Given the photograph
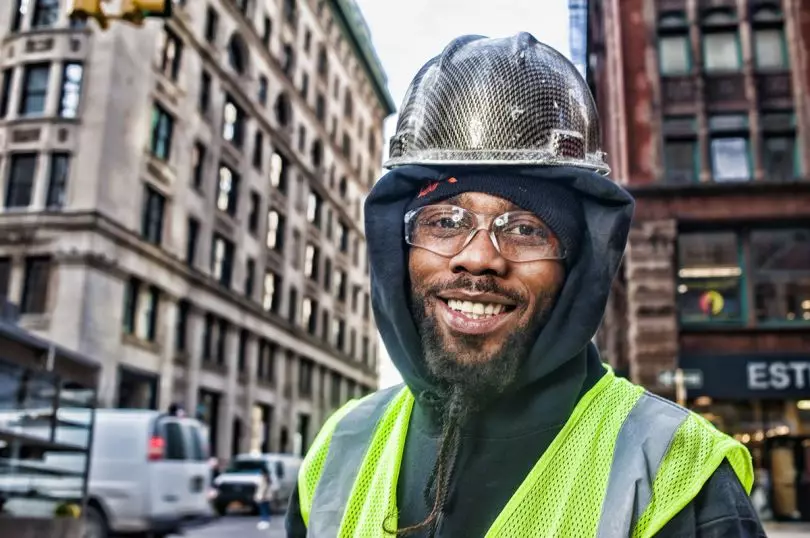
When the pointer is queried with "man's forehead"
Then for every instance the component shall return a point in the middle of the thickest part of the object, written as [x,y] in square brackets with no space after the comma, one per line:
[483,202]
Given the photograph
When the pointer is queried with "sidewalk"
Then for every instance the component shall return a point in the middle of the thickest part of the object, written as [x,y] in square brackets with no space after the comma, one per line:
[787,530]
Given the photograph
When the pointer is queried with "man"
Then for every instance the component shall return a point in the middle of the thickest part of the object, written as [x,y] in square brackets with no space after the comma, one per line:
[493,243]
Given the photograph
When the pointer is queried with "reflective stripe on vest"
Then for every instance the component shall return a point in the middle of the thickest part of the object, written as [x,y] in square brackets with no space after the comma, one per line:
[623,465]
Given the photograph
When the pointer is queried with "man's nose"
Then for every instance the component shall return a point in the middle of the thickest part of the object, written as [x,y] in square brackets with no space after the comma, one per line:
[479,257]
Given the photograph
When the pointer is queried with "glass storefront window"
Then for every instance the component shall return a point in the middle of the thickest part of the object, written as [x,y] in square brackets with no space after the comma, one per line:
[781,272]
[709,277]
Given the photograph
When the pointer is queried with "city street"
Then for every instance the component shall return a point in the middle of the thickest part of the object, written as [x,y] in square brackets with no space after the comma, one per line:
[241,526]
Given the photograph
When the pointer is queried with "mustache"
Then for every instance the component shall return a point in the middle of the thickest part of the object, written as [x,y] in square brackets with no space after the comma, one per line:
[485,284]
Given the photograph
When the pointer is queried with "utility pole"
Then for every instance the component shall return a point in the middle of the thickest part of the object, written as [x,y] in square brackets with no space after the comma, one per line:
[131,11]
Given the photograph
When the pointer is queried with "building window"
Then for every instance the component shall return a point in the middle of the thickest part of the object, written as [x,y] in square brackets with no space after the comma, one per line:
[258,150]
[712,267]
[348,106]
[290,11]
[5,87]
[241,354]
[141,310]
[340,285]
[292,305]
[335,389]
[305,86]
[296,249]
[343,237]
[309,314]
[327,275]
[171,54]
[57,182]
[181,326]
[709,278]
[237,54]
[35,285]
[366,307]
[302,138]
[283,110]
[250,272]
[227,190]
[681,153]
[729,148]
[205,92]
[780,271]
[263,89]
[211,23]
[278,172]
[253,216]
[356,291]
[162,127]
[317,154]
[35,89]
[288,60]
[222,260]
[152,216]
[346,147]
[198,165]
[721,42]
[20,187]
[233,127]
[267,32]
[779,146]
[275,230]
[312,262]
[320,107]
[365,349]
[192,240]
[305,369]
[339,334]
[46,13]
[71,90]
[307,40]
[314,209]
[770,45]
[20,9]
[272,292]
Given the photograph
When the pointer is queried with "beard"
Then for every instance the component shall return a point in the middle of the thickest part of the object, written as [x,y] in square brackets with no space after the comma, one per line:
[464,367]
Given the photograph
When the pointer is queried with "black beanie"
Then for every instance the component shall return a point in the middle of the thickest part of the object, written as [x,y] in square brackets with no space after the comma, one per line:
[558,206]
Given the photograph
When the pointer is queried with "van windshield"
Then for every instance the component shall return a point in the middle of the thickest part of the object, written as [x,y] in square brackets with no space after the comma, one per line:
[246,466]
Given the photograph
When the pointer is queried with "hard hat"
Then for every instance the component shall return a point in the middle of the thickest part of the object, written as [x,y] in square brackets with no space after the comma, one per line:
[502,101]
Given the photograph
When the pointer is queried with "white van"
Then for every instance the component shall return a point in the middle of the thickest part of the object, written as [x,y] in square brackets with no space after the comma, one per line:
[149,473]
[234,489]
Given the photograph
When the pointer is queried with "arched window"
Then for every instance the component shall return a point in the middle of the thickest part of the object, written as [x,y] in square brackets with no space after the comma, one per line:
[238,54]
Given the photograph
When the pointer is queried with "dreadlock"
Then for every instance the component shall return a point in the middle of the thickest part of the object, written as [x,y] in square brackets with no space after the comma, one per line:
[455,410]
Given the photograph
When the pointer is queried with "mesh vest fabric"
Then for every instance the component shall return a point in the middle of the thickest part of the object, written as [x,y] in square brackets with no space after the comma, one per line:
[563,494]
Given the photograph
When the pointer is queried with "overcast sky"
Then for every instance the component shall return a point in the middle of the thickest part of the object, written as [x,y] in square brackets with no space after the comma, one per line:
[407,34]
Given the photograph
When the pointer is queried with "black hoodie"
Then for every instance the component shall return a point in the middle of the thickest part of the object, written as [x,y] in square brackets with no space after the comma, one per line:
[503,442]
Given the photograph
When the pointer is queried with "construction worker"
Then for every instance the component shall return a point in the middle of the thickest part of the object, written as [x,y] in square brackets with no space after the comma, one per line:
[493,242]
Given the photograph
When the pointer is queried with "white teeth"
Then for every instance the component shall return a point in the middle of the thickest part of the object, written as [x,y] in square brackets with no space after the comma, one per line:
[476,310]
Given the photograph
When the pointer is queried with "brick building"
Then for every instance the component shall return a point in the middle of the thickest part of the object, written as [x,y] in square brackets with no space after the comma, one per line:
[706,120]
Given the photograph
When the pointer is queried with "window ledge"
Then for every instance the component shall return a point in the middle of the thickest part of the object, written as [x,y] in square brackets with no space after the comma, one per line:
[132,340]
[35,321]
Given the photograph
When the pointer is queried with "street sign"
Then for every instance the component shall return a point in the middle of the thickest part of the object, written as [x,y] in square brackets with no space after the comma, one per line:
[692,379]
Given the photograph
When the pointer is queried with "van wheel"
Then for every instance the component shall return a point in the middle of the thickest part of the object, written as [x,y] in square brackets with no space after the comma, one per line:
[95,525]
[221,510]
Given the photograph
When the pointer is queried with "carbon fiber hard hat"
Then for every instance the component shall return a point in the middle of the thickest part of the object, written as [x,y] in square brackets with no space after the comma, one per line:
[501,101]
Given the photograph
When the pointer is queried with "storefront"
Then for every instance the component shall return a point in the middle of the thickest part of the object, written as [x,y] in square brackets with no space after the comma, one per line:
[764,402]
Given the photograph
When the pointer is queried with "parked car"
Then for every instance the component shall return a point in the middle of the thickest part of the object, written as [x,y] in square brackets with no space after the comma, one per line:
[234,489]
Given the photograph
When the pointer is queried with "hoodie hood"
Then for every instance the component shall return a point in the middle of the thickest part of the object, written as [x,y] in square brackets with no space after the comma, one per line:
[563,352]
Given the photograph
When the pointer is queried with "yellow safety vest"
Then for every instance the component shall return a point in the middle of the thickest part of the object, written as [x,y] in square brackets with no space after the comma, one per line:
[625,463]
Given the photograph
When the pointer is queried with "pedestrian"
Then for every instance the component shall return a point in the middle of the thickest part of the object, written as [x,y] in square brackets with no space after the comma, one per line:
[508,423]
[263,497]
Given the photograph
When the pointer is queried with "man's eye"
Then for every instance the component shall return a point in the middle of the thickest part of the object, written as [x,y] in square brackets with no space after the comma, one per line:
[526,230]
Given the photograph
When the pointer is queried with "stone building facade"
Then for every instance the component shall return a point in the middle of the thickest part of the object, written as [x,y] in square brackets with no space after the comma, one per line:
[183,203]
